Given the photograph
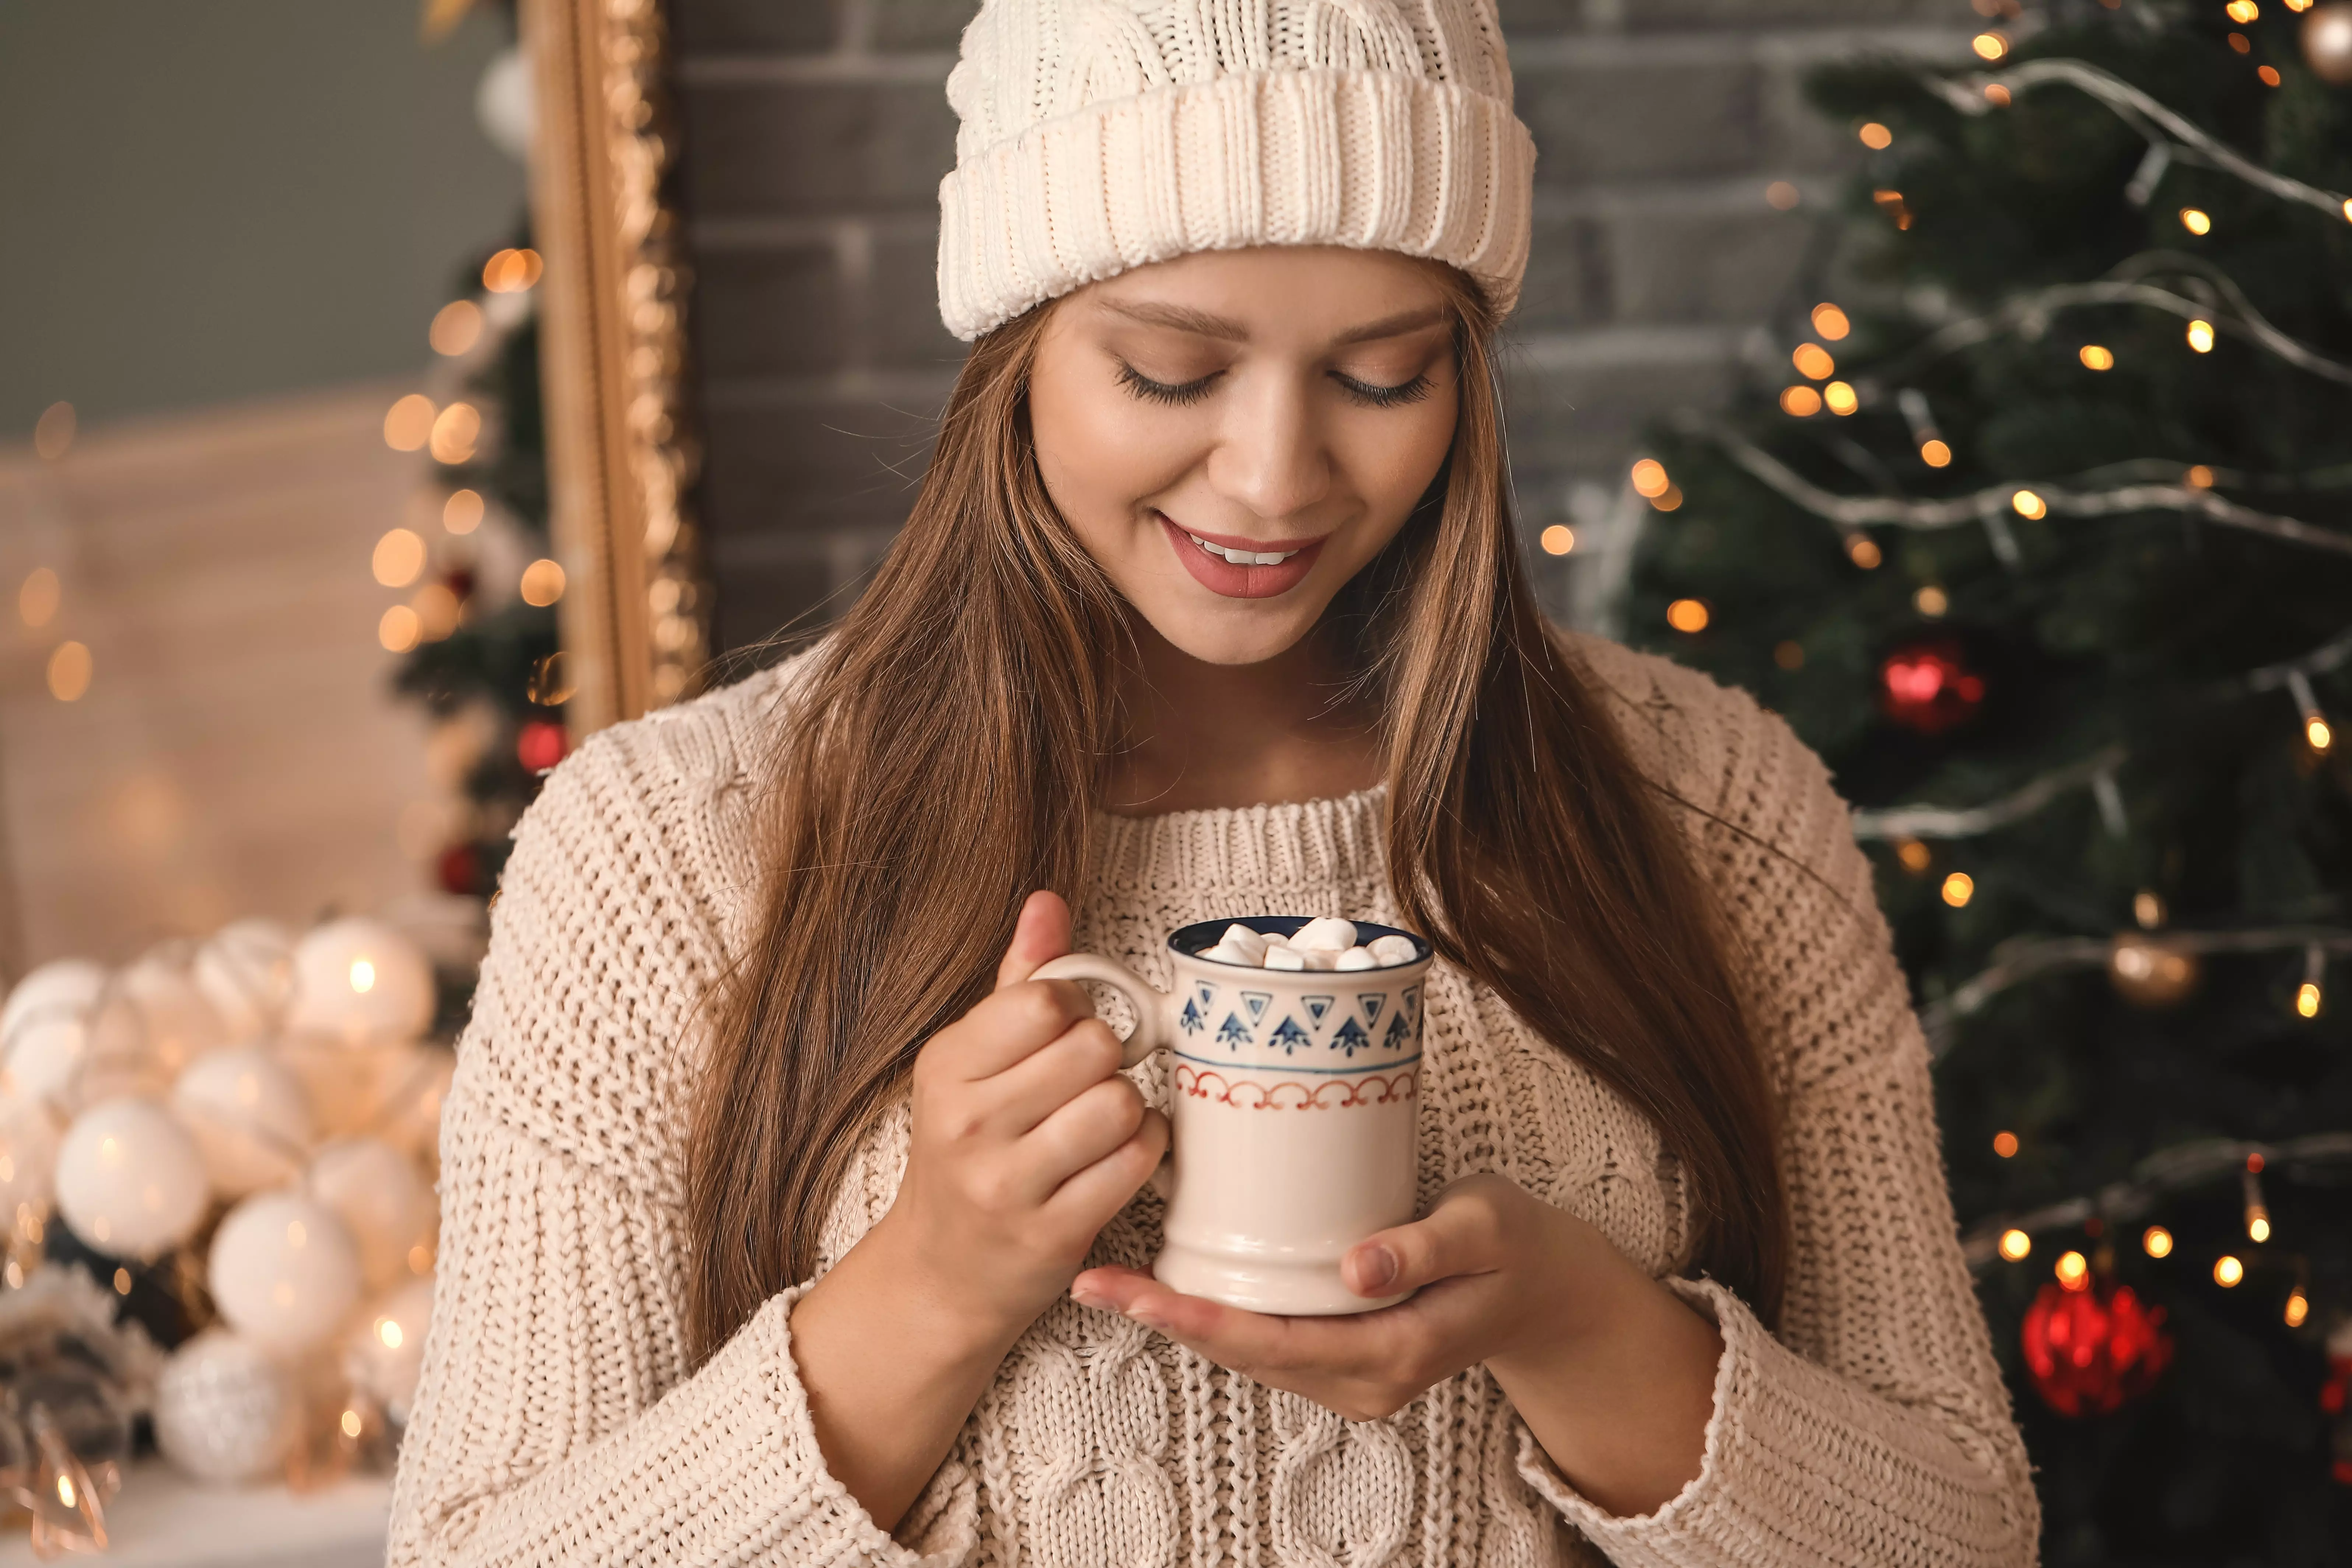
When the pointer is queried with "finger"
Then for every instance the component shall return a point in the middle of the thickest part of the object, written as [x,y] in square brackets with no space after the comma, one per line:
[1049,1078]
[1095,1122]
[1009,1026]
[1092,1195]
[1042,931]
[1461,1236]
[1290,1352]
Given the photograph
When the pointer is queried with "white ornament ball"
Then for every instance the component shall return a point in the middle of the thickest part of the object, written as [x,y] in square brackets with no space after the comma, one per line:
[246,973]
[63,985]
[502,103]
[249,1116]
[130,1179]
[224,1411]
[361,980]
[29,1156]
[386,1349]
[381,1200]
[150,1024]
[45,1054]
[284,1271]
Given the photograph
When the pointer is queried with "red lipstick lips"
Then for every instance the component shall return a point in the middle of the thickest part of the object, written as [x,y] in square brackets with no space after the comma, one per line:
[1235,581]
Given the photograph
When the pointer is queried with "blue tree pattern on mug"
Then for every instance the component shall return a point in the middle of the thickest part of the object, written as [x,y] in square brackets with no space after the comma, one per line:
[1233,1032]
[1397,1031]
[1351,1039]
[1190,1020]
[1289,1036]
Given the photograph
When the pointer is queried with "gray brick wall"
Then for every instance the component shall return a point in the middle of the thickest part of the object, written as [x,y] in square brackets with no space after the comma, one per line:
[818,133]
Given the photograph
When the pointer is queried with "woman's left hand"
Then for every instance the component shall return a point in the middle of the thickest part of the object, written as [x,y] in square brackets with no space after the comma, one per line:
[1590,1349]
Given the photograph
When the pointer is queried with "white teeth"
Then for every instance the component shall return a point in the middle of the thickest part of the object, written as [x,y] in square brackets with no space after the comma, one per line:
[1243,557]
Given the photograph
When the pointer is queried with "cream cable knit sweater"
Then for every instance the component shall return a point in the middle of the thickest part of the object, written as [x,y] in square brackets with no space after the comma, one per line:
[556,1422]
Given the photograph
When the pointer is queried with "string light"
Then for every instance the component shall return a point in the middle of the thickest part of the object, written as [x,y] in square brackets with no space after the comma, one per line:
[1801,401]
[454,431]
[1669,501]
[39,597]
[68,671]
[462,512]
[2015,1245]
[2307,995]
[2196,221]
[2258,1212]
[1989,46]
[2269,75]
[1789,653]
[1959,888]
[2096,357]
[1892,204]
[399,557]
[1687,615]
[1830,321]
[1874,136]
[2316,732]
[1559,539]
[456,327]
[1840,398]
[2228,1270]
[2073,1271]
[2243,44]
[2028,505]
[2299,1308]
[2199,477]
[1913,822]
[1812,361]
[2200,336]
[1649,477]
[2242,11]
[2005,1145]
[1915,857]
[1864,551]
[398,629]
[511,271]
[53,432]
[1935,454]
[408,424]
[1781,194]
[2157,1241]
[1931,601]
[542,583]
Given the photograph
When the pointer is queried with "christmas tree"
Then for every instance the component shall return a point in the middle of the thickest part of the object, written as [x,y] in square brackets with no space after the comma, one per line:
[2044,542]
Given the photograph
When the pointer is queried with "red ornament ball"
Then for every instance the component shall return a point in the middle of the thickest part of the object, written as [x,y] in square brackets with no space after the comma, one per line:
[541,745]
[1927,686]
[2094,1349]
[460,870]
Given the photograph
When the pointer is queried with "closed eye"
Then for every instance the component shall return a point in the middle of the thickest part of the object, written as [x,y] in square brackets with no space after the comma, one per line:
[1180,393]
[1376,396]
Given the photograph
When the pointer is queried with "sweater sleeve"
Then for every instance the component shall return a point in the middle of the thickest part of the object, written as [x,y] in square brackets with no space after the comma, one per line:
[555,1422]
[1874,1428]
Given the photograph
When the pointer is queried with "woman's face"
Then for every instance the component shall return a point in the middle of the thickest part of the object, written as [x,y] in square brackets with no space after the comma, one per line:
[1233,435]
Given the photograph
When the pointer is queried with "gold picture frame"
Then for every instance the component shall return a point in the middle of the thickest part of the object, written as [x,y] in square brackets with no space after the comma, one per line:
[622,460]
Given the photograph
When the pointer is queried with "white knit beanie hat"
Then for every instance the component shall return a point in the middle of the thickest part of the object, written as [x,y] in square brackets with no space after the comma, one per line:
[1102,134]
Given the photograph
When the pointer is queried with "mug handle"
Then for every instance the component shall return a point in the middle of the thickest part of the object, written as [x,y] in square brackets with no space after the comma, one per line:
[1144,999]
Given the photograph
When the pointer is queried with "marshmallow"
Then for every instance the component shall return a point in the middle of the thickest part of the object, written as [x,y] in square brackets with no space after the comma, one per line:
[1284,957]
[1357,958]
[1394,949]
[1226,952]
[1240,938]
[1325,934]
[1320,958]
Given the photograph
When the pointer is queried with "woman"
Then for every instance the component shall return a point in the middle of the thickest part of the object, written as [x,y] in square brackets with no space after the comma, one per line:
[786,1219]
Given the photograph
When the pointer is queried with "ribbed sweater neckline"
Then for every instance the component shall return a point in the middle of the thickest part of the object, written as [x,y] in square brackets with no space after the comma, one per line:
[1336,839]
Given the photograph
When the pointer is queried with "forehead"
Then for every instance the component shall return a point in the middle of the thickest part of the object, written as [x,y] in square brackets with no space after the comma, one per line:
[1274,295]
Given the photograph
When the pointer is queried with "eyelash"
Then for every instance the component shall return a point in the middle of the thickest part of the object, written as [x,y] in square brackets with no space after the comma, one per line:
[1183,395]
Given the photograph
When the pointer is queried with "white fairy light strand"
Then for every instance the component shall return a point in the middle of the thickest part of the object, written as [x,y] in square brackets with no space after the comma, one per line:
[2029,960]
[1969,822]
[2165,131]
[2164,1171]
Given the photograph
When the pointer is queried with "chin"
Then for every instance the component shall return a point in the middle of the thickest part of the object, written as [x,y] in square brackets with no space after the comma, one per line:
[1231,637]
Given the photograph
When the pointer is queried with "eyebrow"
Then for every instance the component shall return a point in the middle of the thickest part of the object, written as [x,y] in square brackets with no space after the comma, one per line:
[1184,319]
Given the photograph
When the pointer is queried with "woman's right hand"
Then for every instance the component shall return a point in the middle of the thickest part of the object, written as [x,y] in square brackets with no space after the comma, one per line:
[1026,1137]
[1025,1140]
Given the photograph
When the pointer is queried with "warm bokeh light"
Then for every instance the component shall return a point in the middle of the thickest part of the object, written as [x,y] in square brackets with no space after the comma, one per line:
[1996,95]
[2307,999]
[456,327]
[437,611]
[1959,888]
[70,672]
[2015,1245]
[2147,909]
[2258,1227]
[2196,220]
[2074,1270]
[2157,1241]
[1864,551]
[53,432]
[2228,1270]
[39,597]
[1812,361]
[1935,454]
[1649,476]
[399,557]
[2199,476]
[408,425]
[2299,1308]
[1671,500]
[1558,540]
[1931,601]
[2027,504]
[350,1423]
[1829,321]
[542,583]
[2316,731]
[511,271]
[2242,11]
[455,433]
[462,512]
[2200,336]
[1874,136]
[1789,653]
[2005,1145]
[1801,400]
[1840,398]
[2269,75]
[2095,356]
[399,629]
[1687,615]
[1781,194]
[388,1331]
[1916,856]
[1989,46]
[2243,44]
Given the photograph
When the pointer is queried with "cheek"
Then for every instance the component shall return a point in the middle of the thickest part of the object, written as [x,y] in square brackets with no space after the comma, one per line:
[1392,455]
[1101,452]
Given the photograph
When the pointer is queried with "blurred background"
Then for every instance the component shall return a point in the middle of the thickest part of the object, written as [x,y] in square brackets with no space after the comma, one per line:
[393,392]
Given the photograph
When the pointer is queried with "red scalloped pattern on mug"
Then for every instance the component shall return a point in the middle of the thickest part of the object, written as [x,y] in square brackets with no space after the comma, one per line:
[1290,1094]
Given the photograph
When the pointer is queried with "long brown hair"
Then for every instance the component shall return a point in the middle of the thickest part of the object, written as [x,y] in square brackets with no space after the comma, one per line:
[944,753]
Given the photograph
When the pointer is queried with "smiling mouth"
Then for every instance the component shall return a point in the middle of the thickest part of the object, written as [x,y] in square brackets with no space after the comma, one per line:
[1243,557]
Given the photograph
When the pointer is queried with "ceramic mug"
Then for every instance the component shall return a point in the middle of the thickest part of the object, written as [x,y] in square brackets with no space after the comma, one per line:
[1294,1100]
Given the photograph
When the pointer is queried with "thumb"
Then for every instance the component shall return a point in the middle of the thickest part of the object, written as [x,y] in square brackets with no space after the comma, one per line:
[1042,932]
[1459,1235]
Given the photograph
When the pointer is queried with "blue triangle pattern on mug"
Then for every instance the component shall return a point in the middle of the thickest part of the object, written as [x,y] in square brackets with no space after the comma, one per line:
[1351,1038]
[1191,1020]
[1317,1005]
[1289,1036]
[1233,1032]
[1374,1001]
[1256,1001]
[1396,1035]
[1206,994]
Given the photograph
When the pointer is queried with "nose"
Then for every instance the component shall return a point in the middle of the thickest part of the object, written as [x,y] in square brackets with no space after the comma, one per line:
[1271,458]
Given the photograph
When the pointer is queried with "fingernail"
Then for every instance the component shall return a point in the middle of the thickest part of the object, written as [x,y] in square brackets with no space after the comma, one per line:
[1087,1296]
[1147,1317]
[1376,1268]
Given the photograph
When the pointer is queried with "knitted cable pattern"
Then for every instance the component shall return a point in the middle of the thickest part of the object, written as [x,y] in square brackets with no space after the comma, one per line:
[556,1424]
[1098,136]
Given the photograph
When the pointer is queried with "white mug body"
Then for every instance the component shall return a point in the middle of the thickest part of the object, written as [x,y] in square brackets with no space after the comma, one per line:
[1295,1097]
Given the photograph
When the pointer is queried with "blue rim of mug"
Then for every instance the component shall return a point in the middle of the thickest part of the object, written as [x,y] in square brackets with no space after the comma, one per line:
[1193,941]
